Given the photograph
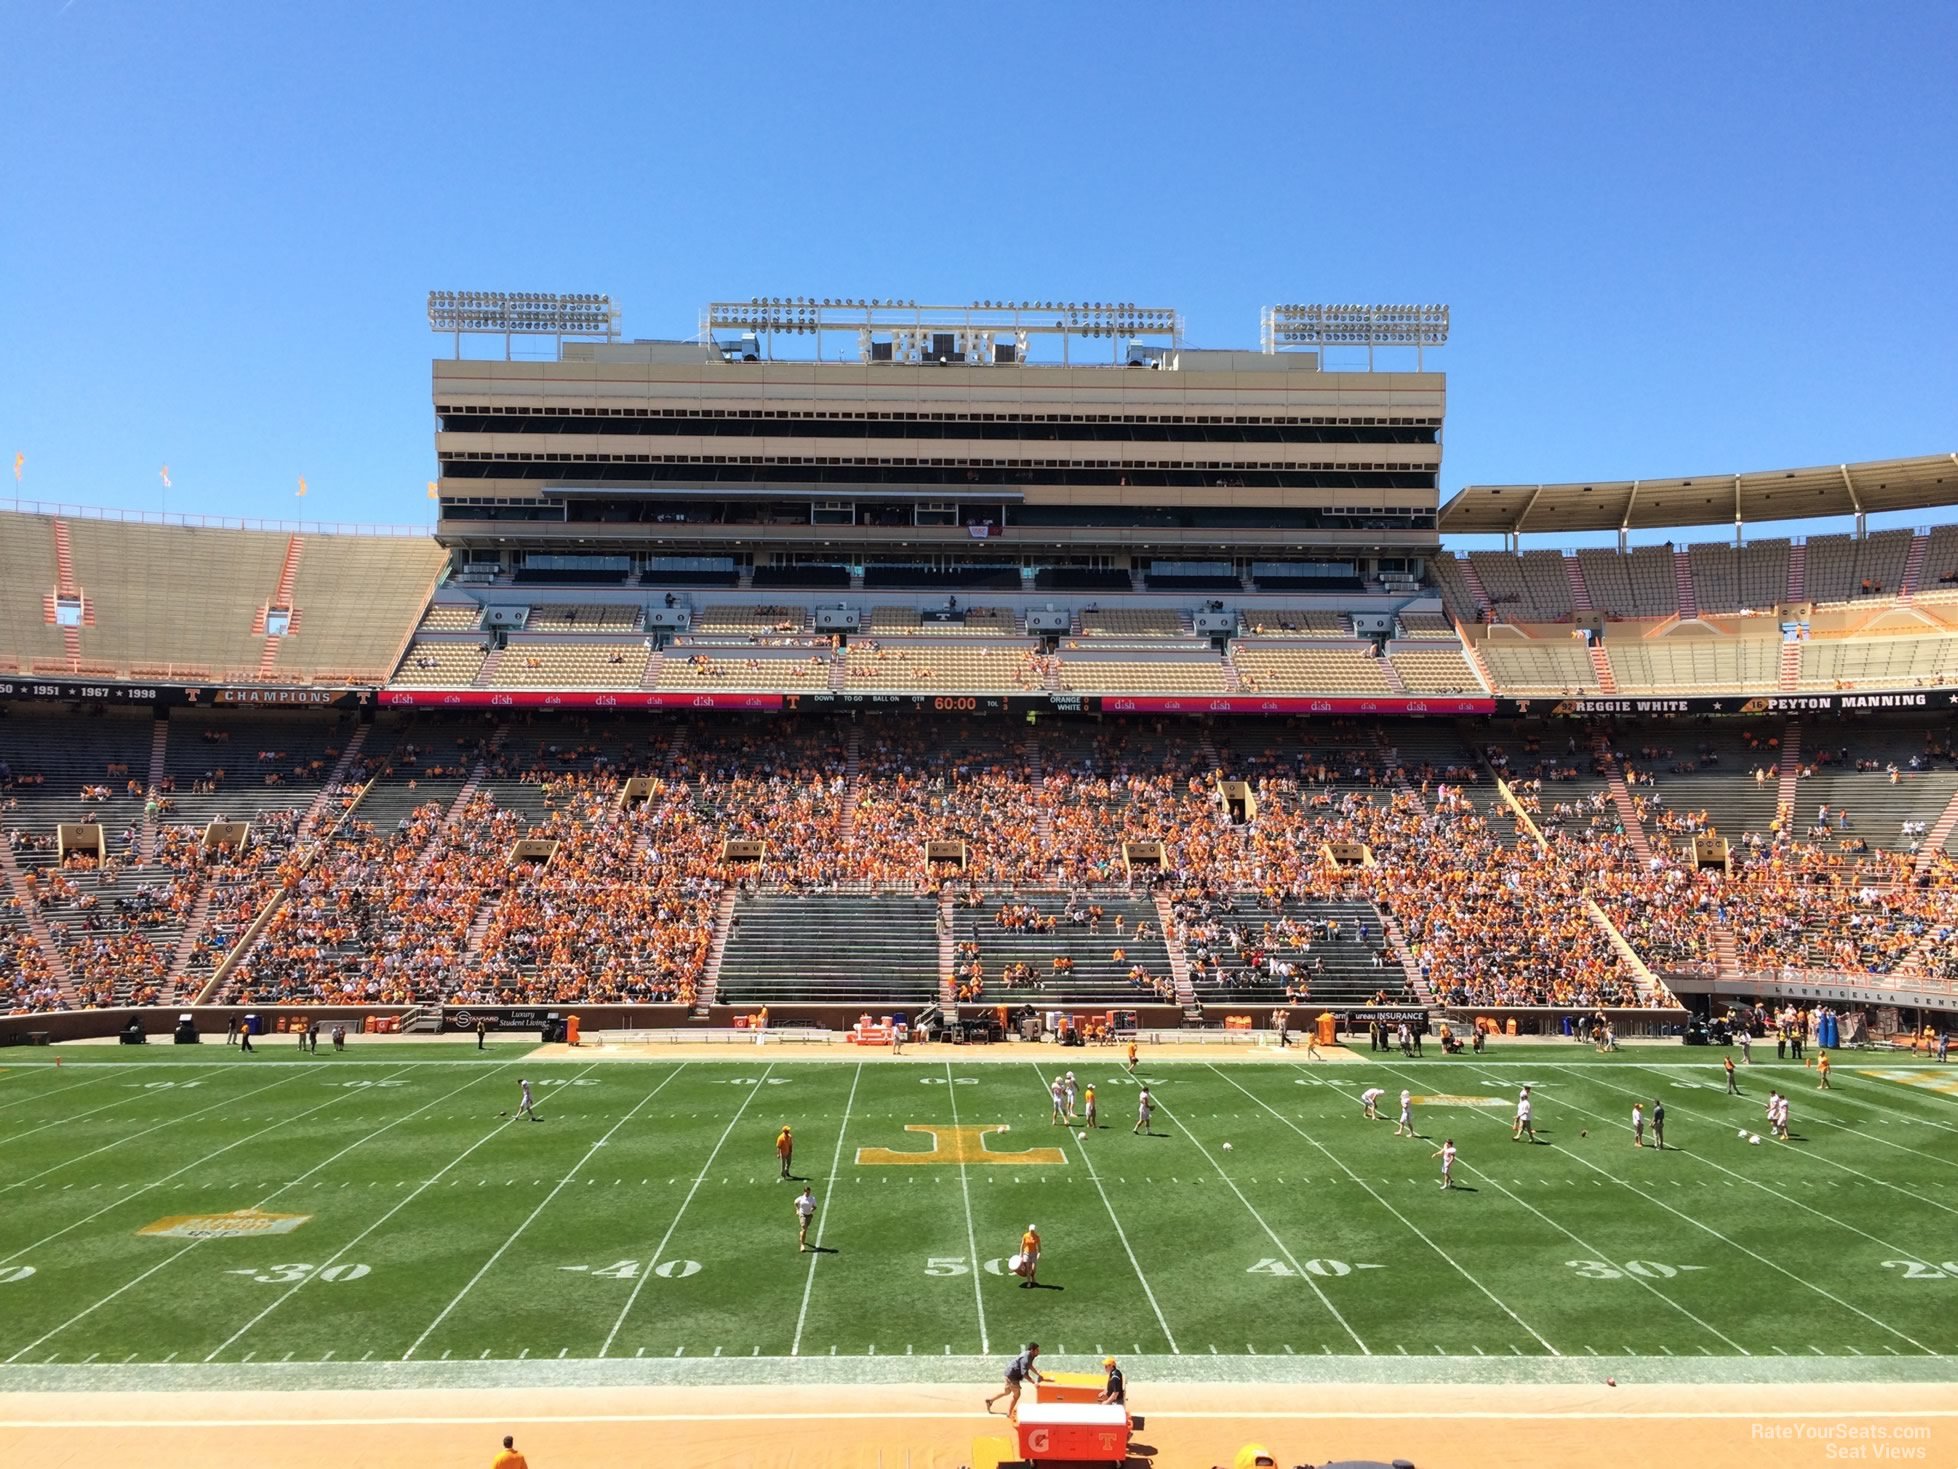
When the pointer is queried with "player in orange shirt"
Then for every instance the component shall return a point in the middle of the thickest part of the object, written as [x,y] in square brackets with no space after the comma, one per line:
[1030,1258]
[1131,1058]
[1822,1066]
[785,1148]
[509,1458]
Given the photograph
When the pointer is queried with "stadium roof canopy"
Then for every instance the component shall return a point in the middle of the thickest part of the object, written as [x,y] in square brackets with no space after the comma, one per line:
[1704,499]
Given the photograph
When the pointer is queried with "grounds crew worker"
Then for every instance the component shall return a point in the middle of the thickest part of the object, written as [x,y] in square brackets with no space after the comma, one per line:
[1117,1391]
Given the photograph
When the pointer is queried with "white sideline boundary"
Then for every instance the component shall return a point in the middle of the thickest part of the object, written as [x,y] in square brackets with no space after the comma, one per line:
[835,1168]
[971,1238]
[653,1261]
[1379,1198]
[1283,1249]
[531,1218]
[1706,1228]
[532,1374]
[1120,1233]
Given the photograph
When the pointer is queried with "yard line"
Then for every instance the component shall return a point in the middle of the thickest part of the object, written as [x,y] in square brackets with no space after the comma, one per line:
[1290,1259]
[835,1167]
[1120,1233]
[43,1096]
[196,1163]
[1785,1198]
[640,1284]
[1703,1226]
[540,1208]
[971,1239]
[1452,1262]
[155,1127]
[1814,1117]
[341,1252]
[1574,1238]
[176,1255]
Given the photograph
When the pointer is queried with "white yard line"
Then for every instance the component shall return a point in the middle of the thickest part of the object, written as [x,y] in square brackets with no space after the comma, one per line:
[43,1096]
[700,1177]
[1120,1233]
[532,1218]
[1299,1270]
[1813,1118]
[176,1255]
[971,1238]
[1452,1262]
[421,1188]
[1706,1228]
[129,1137]
[74,1117]
[188,1167]
[835,1167]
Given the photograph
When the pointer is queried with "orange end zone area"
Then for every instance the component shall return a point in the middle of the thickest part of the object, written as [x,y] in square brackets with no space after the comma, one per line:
[935,1427]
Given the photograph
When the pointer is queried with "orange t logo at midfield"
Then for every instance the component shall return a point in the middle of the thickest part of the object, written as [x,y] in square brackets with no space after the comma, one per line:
[960,1145]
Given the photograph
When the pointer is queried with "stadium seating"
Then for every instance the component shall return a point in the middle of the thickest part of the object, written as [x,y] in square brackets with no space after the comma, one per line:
[1430,670]
[1530,587]
[1552,666]
[1304,622]
[1265,669]
[1727,578]
[29,638]
[1676,665]
[1839,566]
[923,666]
[527,663]
[688,668]
[1134,622]
[1639,583]
[1103,674]
[433,664]
[880,952]
[1880,663]
[748,620]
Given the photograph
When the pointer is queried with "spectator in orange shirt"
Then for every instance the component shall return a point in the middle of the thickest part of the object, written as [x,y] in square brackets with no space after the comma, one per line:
[509,1458]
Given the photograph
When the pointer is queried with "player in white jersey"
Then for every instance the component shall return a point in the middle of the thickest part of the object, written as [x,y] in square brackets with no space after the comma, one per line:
[1781,1120]
[1446,1152]
[525,1106]
[1406,1124]
[1145,1106]
[1370,1102]
[1638,1124]
[1523,1124]
[1068,1093]
[1057,1093]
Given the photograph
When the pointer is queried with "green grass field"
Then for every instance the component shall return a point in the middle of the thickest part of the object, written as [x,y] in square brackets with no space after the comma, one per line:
[643,1218]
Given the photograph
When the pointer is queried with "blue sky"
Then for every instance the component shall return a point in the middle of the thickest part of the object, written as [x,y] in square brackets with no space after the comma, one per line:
[1676,238]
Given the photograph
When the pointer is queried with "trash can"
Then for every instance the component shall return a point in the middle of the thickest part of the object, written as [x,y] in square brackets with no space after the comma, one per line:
[1509,1026]
[1328,1028]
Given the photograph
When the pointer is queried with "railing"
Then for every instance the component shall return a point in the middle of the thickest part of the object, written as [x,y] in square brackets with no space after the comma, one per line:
[212,522]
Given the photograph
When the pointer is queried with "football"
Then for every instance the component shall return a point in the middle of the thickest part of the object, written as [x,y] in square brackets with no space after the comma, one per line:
[1227,1147]
[1754,1137]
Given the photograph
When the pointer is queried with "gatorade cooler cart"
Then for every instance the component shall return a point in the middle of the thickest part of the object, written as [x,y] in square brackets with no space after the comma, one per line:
[1058,1433]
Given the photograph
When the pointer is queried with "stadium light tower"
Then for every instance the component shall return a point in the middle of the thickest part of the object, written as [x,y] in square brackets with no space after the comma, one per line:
[1418,327]
[508,314]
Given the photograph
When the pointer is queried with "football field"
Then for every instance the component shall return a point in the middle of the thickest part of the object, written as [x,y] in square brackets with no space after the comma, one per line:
[178,1218]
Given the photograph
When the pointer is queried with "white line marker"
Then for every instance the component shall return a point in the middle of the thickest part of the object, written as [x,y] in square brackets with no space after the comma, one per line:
[640,1284]
[542,1205]
[835,1167]
[971,1239]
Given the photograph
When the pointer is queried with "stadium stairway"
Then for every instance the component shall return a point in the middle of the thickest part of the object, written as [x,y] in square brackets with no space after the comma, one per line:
[1788,676]
[1037,783]
[1473,579]
[1920,545]
[710,979]
[195,923]
[1392,675]
[1936,838]
[1600,664]
[1621,798]
[1580,594]
[268,658]
[649,680]
[36,924]
[1726,952]
[948,952]
[1682,580]
[1791,763]
[1650,990]
[336,778]
[852,779]
[159,757]
[477,774]
[1797,584]
[486,675]
[1179,956]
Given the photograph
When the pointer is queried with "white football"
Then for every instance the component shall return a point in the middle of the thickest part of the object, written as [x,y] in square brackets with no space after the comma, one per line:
[1741,1133]
[1227,1147]
[1754,1137]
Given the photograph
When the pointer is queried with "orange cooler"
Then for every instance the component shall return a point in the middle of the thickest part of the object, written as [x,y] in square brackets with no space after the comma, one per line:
[1060,1431]
[1069,1387]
